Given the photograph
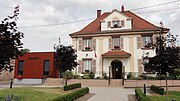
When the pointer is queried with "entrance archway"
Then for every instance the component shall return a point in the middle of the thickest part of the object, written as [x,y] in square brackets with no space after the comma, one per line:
[116,69]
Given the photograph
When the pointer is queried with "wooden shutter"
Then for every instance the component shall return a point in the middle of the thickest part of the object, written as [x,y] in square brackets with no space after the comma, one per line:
[109,24]
[110,43]
[94,44]
[80,44]
[122,23]
[94,66]
[121,42]
[140,66]
[139,42]
[80,66]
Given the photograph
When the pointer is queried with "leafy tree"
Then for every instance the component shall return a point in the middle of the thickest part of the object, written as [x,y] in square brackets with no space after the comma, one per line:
[165,60]
[10,40]
[25,50]
[65,58]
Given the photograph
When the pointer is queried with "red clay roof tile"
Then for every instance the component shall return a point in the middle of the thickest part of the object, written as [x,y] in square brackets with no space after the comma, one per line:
[116,53]
[138,23]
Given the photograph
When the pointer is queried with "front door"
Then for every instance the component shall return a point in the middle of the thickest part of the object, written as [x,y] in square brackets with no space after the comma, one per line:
[116,69]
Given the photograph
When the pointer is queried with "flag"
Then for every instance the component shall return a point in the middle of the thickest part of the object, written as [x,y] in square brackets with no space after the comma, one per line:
[95,54]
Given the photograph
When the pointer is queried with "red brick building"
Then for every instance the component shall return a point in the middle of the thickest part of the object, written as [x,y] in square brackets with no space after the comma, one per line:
[32,67]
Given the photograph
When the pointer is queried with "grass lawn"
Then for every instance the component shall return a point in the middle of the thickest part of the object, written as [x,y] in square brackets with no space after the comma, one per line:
[169,97]
[34,93]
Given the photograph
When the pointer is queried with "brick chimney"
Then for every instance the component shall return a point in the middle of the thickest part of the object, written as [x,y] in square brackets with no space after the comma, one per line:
[122,8]
[98,13]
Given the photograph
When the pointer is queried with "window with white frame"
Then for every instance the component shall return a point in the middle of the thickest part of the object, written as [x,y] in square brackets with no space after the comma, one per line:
[147,41]
[87,65]
[87,44]
[115,23]
[116,43]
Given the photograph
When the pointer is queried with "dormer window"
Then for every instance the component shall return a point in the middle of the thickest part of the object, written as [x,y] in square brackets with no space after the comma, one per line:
[115,24]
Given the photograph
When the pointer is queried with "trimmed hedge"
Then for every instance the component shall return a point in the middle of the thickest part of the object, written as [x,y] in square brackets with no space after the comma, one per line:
[73,95]
[72,86]
[140,95]
[157,89]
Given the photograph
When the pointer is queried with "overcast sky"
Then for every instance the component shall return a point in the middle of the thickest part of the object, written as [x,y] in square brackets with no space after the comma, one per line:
[58,13]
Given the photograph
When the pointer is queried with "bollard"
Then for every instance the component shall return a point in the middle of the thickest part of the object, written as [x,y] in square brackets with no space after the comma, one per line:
[11,84]
[145,89]
[173,99]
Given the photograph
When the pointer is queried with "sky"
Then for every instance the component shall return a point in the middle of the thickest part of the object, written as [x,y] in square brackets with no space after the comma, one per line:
[43,22]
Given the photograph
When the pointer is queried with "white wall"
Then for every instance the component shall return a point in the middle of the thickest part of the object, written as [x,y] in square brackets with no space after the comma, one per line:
[27,81]
[121,16]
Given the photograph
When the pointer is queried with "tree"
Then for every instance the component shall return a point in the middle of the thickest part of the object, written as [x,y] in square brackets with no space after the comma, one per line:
[10,40]
[25,50]
[65,58]
[166,58]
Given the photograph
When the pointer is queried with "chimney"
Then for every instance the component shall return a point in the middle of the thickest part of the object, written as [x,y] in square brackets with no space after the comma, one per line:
[122,8]
[98,13]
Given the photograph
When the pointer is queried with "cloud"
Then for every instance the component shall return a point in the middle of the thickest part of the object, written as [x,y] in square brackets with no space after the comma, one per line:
[44,12]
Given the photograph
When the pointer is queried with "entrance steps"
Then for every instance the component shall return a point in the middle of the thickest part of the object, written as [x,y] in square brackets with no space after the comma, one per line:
[84,82]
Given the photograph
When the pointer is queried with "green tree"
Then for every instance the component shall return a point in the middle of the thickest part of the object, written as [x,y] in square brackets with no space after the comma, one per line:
[65,58]
[25,50]
[10,40]
[165,60]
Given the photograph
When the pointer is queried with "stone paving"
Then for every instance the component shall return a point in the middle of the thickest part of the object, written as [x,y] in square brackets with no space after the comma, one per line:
[110,93]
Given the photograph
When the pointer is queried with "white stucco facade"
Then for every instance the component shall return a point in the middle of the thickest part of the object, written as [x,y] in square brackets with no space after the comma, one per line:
[130,51]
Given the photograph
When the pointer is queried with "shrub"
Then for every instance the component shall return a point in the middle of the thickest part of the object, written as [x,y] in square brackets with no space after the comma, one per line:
[91,75]
[140,95]
[85,76]
[105,76]
[72,86]
[129,75]
[160,77]
[157,89]
[76,76]
[73,95]
[67,75]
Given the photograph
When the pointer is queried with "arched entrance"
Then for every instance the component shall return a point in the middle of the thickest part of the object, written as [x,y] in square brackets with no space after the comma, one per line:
[116,69]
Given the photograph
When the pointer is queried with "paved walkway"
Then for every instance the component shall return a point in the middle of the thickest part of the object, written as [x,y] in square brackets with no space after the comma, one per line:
[110,93]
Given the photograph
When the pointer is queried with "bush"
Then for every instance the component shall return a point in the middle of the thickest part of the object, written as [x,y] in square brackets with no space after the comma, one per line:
[76,76]
[129,75]
[91,75]
[85,76]
[72,86]
[67,75]
[105,76]
[140,95]
[157,89]
[73,95]
[160,77]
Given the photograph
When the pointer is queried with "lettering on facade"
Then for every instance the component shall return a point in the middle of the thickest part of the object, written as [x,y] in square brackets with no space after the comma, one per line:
[33,58]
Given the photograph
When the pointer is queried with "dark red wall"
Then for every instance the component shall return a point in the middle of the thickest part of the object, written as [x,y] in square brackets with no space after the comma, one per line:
[33,64]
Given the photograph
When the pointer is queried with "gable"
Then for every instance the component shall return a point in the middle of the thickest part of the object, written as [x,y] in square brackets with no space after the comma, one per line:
[116,21]
[137,24]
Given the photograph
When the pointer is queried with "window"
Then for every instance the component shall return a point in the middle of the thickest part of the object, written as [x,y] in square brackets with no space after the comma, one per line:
[116,43]
[109,24]
[87,44]
[87,65]
[20,67]
[46,68]
[116,23]
[147,41]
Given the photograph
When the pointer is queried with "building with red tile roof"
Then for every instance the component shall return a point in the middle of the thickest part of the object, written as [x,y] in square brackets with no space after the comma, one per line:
[114,43]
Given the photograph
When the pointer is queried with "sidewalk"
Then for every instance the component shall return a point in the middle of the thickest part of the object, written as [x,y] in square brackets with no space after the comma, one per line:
[110,93]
